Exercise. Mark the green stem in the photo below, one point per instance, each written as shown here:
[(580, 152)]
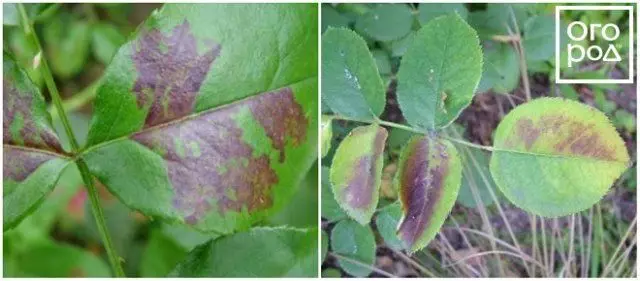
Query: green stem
[(82, 166), (407, 128)]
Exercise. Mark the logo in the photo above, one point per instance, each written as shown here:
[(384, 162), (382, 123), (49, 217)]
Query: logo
[(600, 41)]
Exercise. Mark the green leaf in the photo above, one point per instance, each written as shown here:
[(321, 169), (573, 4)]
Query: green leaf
[(387, 221), (554, 157), (264, 252), (161, 255), (331, 17), (427, 11), (106, 39), (356, 171), (400, 46), (428, 178), (501, 69), (186, 237), (569, 92), (351, 85), (539, 38), (399, 137), (475, 174), (383, 62), (192, 124), (439, 73), (67, 42), (326, 132), (331, 273), (329, 208), (354, 242), (324, 245), (53, 259), (33, 157), (386, 22)]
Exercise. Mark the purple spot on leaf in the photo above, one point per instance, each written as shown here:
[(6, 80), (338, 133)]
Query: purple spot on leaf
[(20, 163), (209, 164), (359, 191), (421, 184), (170, 72), (19, 126)]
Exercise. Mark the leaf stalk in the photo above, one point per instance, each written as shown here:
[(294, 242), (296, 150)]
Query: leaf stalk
[(82, 166)]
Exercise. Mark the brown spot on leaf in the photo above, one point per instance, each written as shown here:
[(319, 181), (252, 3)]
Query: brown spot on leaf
[(583, 140), (170, 72), (570, 137), (421, 185), (209, 163), (527, 132), (281, 119)]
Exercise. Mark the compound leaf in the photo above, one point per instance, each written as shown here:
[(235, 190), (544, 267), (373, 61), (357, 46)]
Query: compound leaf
[(263, 252), (193, 124), (353, 241), (33, 157), (386, 22), (439, 72), (356, 171), (428, 178), (351, 85), (554, 157)]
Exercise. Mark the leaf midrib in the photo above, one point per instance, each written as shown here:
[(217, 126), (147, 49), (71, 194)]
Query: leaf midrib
[(35, 150), (580, 158), (189, 116)]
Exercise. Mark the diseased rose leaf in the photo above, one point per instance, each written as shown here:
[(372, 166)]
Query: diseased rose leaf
[(439, 73), (33, 157), (554, 157), (192, 124), (261, 251), (428, 178), (356, 171)]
